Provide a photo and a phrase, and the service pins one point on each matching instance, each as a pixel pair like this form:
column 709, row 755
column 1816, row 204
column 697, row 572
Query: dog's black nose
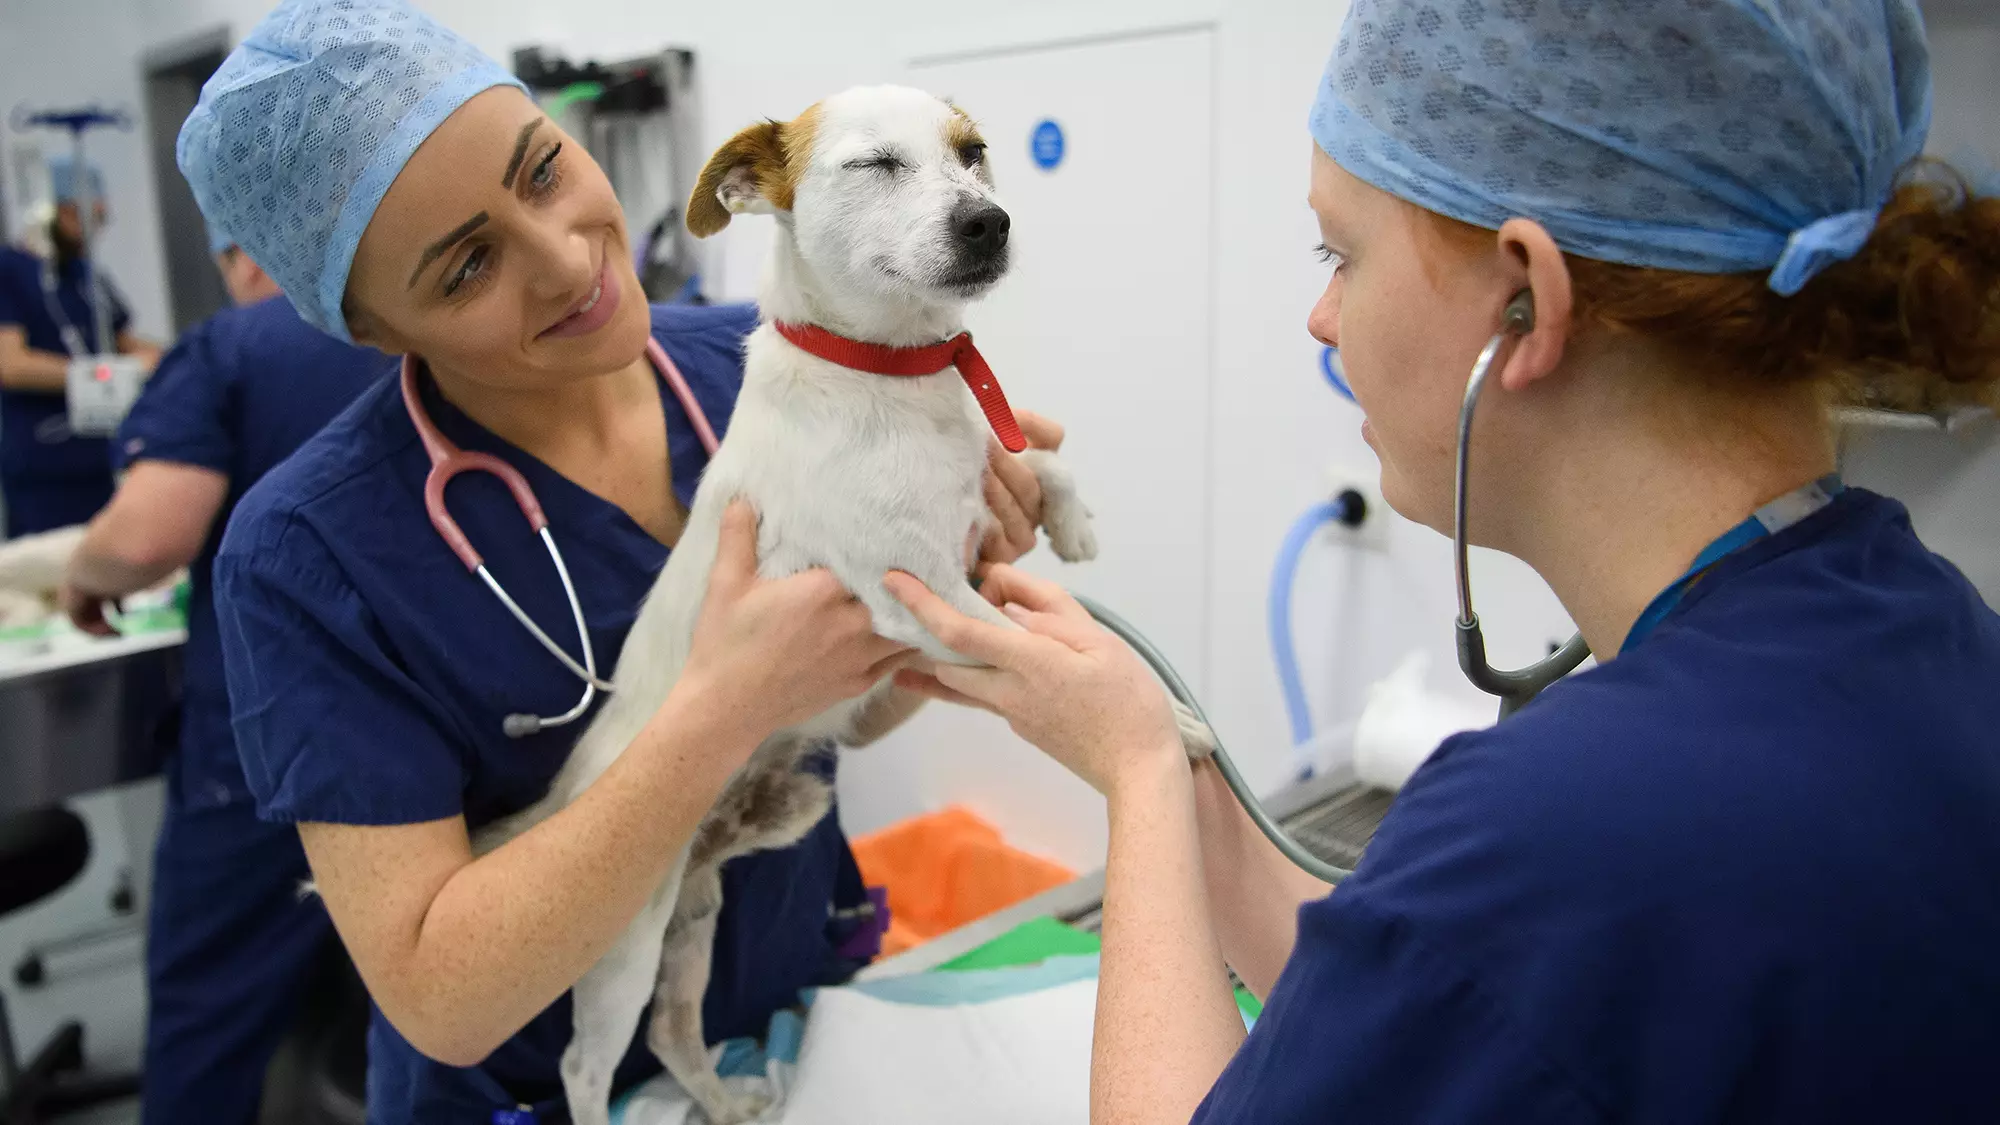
column 981, row 227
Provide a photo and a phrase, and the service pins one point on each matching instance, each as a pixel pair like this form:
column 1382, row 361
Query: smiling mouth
column 579, row 319
column 589, row 303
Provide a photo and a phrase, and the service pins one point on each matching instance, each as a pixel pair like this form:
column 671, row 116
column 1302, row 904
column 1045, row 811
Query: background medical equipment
column 640, row 121
column 102, row 384
column 1349, row 509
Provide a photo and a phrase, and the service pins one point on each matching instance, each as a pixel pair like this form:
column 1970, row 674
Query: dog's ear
column 748, row 175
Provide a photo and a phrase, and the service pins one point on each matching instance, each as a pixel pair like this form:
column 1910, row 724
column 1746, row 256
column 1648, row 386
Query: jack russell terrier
column 860, row 438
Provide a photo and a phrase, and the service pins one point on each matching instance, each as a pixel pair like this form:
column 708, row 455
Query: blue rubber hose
column 1348, row 509
column 1329, row 363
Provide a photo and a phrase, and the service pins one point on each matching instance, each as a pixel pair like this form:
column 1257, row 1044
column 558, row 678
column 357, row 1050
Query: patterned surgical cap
column 1712, row 136
column 298, row 136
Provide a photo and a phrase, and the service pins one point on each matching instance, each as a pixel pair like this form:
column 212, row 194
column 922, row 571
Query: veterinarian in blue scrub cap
column 51, row 478
column 1741, row 871
column 406, row 193
column 232, row 945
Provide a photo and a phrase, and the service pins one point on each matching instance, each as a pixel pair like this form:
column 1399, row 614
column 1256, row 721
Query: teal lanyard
column 1779, row 514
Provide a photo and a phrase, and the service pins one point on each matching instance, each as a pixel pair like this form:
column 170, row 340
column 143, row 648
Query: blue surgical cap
column 67, row 186
column 299, row 134
column 1719, row 136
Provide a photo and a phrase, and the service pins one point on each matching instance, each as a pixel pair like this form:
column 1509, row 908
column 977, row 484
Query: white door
column 1104, row 325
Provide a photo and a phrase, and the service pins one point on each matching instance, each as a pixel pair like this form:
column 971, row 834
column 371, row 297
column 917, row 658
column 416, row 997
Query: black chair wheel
column 31, row 972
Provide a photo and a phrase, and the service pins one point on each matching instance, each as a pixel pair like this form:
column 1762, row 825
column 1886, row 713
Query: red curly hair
column 1912, row 322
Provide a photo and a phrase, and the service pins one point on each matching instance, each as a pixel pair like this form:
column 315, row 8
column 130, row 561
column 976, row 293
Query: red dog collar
column 877, row 359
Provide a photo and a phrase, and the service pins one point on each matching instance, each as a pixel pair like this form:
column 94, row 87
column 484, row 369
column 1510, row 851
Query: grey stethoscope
column 1514, row 688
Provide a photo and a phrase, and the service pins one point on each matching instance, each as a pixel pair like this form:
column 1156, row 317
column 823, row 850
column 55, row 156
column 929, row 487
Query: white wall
column 1276, row 427
column 1965, row 43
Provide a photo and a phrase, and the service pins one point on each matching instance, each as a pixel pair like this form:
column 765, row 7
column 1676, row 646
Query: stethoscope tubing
column 1514, row 688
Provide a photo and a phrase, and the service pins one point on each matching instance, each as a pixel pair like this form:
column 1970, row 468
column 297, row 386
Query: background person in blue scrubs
column 49, row 477
column 231, row 943
column 443, row 216
column 1744, row 869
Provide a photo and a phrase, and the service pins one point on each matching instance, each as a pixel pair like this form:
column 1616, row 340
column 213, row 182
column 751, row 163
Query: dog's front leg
column 1065, row 517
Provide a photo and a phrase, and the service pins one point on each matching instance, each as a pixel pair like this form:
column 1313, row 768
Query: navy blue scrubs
column 369, row 676
column 49, row 478
column 231, row 942
column 1749, row 871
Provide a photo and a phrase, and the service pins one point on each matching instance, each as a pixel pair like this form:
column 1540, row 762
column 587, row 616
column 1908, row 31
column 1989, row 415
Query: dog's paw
column 739, row 1109
column 1195, row 734
column 1071, row 536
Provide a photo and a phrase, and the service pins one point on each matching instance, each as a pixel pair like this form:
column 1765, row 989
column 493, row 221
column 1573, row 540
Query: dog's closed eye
column 881, row 160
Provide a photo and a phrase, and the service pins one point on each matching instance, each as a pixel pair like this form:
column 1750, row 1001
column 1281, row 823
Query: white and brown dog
column 887, row 228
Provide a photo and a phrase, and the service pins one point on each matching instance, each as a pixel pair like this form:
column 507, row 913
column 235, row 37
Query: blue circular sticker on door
column 1047, row 145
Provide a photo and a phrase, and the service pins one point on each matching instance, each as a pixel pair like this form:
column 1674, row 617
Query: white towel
column 1403, row 724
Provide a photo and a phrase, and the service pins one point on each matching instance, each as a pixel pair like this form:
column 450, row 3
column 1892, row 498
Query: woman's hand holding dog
column 770, row 653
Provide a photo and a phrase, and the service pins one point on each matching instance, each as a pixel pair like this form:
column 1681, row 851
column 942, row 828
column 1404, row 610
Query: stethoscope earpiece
column 1519, row 317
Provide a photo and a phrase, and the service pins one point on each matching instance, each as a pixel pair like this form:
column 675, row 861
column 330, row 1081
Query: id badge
column 101, row 390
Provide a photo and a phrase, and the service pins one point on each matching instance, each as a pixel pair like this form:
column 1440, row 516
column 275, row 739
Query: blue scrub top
column 1747, row 872
column 237, row 394
column 369, row 675
column 51, row 479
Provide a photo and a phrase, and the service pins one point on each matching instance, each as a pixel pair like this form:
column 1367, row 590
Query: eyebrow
column 438, row 248
column 520, row 151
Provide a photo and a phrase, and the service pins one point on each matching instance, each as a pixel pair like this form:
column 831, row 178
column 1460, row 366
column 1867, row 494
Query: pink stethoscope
column 448, row 461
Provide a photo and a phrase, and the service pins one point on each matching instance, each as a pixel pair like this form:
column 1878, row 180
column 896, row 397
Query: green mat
column 1031, row 943
column 138, row 622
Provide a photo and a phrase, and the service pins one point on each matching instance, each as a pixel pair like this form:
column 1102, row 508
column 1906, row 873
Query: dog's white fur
column 854, row 472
